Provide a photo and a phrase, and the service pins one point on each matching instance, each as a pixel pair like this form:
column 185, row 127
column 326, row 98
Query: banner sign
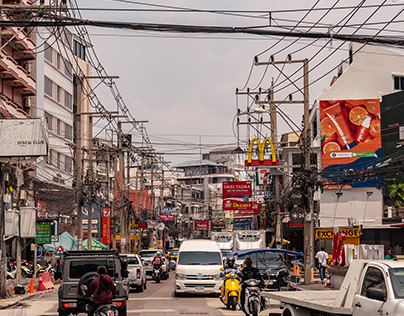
column 151, row 223
column 23, row 138
column 142, row 225
column 239, row 189
column 218, row 222
column 106, row 225
column 167, row 217
column 350, row 142
column 240, row 213
column 201, row 225
column 242, row 221
column 232, row 204
column 43, row 233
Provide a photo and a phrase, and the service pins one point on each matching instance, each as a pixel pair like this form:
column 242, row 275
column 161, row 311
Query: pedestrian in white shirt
column 322, row 258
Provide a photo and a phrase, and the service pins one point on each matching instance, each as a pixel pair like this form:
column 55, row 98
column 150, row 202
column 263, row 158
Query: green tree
column 396, row 191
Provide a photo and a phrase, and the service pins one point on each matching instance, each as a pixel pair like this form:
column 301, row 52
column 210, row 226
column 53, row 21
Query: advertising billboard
column 201, row 225
column 350, row 142
column 23, row 138
column 239, row 189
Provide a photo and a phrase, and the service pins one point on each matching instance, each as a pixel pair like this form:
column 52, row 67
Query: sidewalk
column 16, row 299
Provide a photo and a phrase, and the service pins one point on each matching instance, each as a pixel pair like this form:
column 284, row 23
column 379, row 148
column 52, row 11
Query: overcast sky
column 184, row 84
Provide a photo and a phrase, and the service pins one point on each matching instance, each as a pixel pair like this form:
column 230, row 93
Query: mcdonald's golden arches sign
column 261, row 154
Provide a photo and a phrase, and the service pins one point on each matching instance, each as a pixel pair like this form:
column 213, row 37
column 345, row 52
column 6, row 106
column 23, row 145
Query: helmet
column 230, row 261
column 158, row 253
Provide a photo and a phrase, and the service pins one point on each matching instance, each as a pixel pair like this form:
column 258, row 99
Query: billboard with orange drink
column 350, row 142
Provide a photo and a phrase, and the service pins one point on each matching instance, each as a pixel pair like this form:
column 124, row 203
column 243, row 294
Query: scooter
column 230, row 290
column 157, row 274
column 253, row 303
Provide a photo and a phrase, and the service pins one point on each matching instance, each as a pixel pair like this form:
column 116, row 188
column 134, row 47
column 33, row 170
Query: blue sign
column 241, row 223
column 171, row 210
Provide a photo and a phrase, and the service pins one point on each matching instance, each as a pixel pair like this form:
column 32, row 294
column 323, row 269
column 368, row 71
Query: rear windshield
column 132, row 260
column 78, row 268
column 199, row 258
column 150, row 253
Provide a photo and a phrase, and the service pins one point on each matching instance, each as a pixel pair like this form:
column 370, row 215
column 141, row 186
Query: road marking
column 151, row 311
column 148, row 298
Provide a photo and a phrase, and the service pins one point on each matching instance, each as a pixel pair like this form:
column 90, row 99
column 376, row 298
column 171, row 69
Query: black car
column 80, row 268
column 272, row 267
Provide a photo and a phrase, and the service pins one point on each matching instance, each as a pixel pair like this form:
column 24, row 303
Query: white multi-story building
column 55, row 103
column 369, row 73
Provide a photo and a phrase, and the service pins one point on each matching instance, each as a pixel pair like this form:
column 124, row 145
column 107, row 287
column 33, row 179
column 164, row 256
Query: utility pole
column 274, row 137
column 128, row 220
column 308, row 223
column 114, row 213
column 91, row 187
column 121, row 188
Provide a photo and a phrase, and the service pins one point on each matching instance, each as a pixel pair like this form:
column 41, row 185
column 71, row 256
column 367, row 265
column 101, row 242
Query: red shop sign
column 238, row 189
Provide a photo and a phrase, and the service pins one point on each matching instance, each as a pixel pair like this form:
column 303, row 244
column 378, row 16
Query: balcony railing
column 24, row 44
column 19, row 78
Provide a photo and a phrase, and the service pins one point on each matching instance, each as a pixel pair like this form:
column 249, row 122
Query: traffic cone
column 31, row 287
column 328, row 280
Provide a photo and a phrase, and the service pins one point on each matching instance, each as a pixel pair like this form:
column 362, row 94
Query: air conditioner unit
column 28, row 102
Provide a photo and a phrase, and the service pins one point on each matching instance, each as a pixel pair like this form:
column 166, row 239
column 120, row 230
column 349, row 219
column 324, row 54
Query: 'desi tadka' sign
column 239, row 189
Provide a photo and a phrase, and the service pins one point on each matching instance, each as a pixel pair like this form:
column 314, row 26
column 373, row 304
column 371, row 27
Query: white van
column 198, row 267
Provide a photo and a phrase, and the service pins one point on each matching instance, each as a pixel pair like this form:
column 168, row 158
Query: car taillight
column 138, row 273
column 69, row 305
column 118, row 304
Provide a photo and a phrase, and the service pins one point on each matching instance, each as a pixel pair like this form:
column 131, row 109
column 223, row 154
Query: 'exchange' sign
column 328, row 233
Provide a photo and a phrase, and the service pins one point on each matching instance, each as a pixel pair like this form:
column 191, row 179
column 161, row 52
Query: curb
column 24, row 298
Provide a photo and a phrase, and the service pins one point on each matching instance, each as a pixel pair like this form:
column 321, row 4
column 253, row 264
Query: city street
column 157, row 299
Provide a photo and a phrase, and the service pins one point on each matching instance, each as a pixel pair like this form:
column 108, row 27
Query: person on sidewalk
column 322, row 257
column 389, row 255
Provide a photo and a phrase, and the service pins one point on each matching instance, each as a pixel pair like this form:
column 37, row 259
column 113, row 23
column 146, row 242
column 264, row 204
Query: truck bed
column 317, row 300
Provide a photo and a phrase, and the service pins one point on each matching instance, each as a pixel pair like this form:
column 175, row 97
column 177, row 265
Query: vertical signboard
column 43, row 233
column 350, row 142
column 106, row 225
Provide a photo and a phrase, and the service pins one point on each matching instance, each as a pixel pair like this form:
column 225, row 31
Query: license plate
column 199, row 289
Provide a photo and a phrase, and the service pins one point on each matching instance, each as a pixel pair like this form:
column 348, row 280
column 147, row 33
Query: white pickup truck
column 370, row 288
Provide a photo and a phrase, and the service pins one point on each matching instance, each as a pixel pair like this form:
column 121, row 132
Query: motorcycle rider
column 103, row 290
column 158, row 261
column 246, row 273
column 229, row 264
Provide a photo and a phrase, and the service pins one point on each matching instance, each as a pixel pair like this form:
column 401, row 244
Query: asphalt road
column 157, row 299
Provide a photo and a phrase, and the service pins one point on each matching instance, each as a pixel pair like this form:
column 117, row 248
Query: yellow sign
column 261, row 149
column 328, row 233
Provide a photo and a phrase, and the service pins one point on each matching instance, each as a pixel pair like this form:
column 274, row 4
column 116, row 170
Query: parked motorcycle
column 230, row 290
column 49, row 268
column 157, row 274
column 26, row 269
column 253, row 303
